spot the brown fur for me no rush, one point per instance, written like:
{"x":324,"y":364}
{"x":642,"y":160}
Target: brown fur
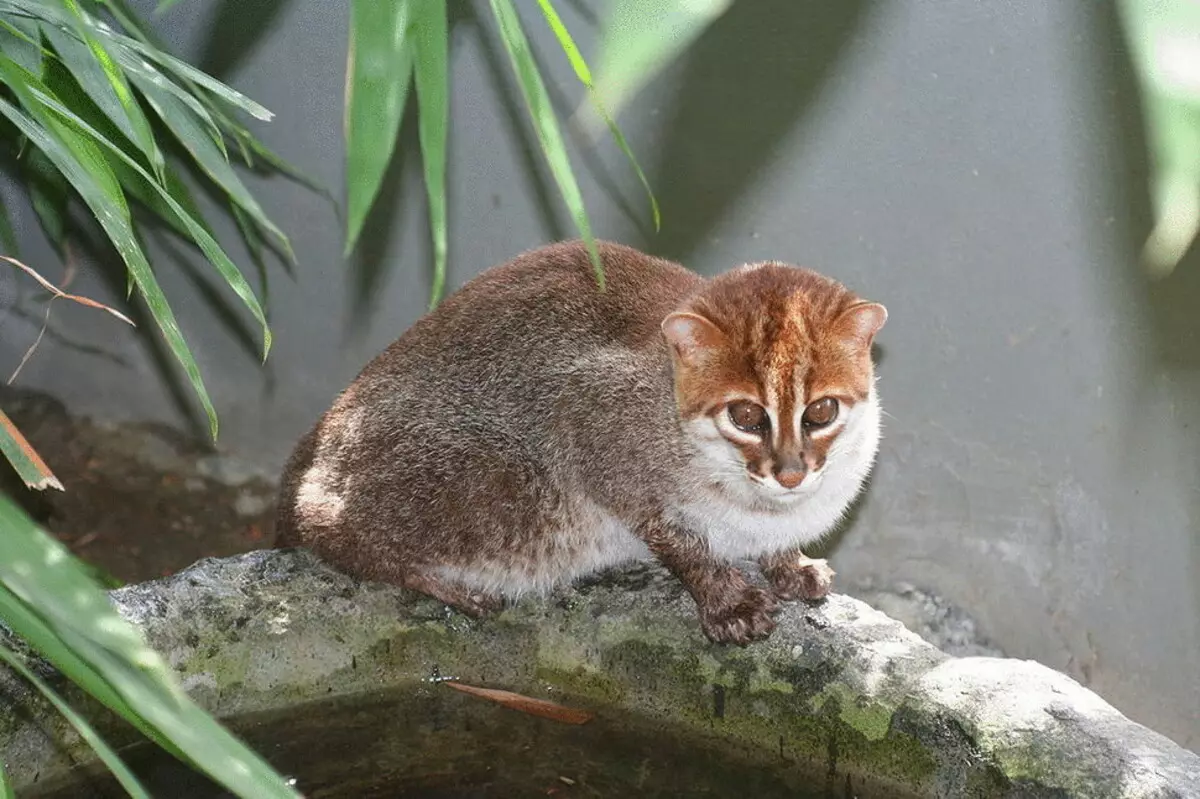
{"x":492,"y":435}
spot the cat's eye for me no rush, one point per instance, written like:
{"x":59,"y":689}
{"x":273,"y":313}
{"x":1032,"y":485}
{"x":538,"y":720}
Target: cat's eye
{"x":748,"y":417}
{"x":820,"y":413}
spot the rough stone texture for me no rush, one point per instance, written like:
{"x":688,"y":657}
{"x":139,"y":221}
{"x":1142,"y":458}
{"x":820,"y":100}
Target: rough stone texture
{"x":839,"y":686}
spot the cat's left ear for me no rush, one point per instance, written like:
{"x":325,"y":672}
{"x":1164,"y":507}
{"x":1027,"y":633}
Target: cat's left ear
{"x":861,"y":321}
{"x":691,"y":336}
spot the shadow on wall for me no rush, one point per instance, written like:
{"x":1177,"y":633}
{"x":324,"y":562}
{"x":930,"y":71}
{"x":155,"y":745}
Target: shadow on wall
{"x":746,"y":83}
{"x":1169,"y":308}
{"x":236,"y":30}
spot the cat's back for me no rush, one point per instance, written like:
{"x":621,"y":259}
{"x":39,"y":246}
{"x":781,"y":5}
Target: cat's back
{"x":542,"y":306}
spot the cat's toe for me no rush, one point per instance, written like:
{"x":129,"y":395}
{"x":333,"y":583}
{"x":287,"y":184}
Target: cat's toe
{"x":809,"y":579}
{"x":747,"y":621}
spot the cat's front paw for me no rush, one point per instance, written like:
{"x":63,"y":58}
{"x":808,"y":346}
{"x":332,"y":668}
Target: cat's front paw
{"x":801,"y":578}
{"x":741,"y":618}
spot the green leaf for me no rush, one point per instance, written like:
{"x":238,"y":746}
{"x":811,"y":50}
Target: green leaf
{"x":190,"y":132}
{"x":186,"y":71}
{"x":105,"y":84}
{"x":6,"y":789}
{"x":379,"y":68}
{"x":431,"y":41}
{"x":85,"y":168}
{"x":20,"y":39}
{"x":1162,"y":36}
{"x":30,"y":467}
{"x":544,"y":123}
{"x":142,"y":74}
{"x":48,"y":599}
{"x":103,"y":750}
{"x":198,"y":232}
{"x":639,"y":38}
{"x":585,"y":77}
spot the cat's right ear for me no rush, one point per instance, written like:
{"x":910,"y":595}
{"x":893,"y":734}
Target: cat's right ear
{"x":691,"y":336}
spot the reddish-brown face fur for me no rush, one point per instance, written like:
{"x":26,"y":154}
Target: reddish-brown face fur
{"x":783,"y":338}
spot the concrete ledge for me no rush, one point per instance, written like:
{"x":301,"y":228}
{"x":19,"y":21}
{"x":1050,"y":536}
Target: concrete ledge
{"x":839,"y":687}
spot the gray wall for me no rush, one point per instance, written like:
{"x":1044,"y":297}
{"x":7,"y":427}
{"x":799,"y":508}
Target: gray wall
{"x":976,"y":167}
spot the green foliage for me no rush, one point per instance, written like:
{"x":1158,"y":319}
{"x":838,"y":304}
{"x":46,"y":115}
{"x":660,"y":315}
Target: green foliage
{"x":393,"y":41}
{"x":95,"y":108}
{"x":1164,"y":39}
{"x":97,"y":112}
{"x":48,"y":598}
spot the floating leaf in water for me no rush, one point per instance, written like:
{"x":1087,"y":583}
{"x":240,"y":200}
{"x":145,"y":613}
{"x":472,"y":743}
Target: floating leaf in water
{"x":526,"y":704}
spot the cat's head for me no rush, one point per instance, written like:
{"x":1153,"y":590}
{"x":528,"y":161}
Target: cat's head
{"x":774,"y":382}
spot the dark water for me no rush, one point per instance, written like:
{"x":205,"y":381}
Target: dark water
{"x":440,"y":744}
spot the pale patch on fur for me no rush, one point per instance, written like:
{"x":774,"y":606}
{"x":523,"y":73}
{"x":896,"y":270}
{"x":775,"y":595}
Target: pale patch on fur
{"x":320,"y":498}
{"x":591,"y":543}
{"x":318,"y":503}
{"x":747,"y":518}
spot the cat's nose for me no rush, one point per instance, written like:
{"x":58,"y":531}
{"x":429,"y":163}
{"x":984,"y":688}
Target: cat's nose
{"x":790,"y":478}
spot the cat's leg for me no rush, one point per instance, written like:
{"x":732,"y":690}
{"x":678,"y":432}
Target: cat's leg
{"x":732,"y":610}
{"x":455,"y":594}
{"x":794,"y":575}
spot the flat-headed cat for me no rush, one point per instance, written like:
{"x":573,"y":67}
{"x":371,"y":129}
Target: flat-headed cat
{"x":533,"y":429}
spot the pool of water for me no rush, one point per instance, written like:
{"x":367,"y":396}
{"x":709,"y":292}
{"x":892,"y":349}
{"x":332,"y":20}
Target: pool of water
{"x":437,"y":743}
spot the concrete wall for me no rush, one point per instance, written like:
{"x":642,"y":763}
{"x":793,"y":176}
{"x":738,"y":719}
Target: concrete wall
{"x":976,"y":167}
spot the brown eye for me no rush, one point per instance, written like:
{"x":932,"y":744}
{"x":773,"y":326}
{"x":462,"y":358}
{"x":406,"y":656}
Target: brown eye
{"x":820,"y":413}
{"x":748,"y":417}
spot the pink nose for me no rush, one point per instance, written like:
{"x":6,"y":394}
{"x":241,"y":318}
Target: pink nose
{"x":790,"y":479}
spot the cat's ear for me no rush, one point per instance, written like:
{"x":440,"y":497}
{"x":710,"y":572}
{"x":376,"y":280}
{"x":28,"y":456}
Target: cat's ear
{"x":691,"y":336}
{"x":861,"y":321}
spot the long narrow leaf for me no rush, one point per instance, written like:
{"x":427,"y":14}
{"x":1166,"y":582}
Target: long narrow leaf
{"x":567,"y":42}
{"x":48,"y":643}
{"x":378,"y":72}
{"x":183,"y":69}
{"x":199,"y":234}
{"x":430,"y":37}
{"x":544,"y":123}
{"x":191,"y":134}
{"x":6,"y":789}
{"x":107,"y":87}
{"x":39,"y":572}
{"x":79,"y":161}
{"x":639,"y":38}
{"x":20,"y":38}
{"x":17,"y":450}
{"x":103,"y":750}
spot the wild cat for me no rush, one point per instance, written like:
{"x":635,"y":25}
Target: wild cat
{"x":534,"y":429}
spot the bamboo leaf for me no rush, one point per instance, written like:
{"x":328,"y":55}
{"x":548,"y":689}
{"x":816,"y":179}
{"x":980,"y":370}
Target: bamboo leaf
{"x":195,"y":230}
{"x":103,"y":750}
{"x":191,"y":134}
{"x":106,"y":86}
{"x":544,"y":123}
{"x":584,"y":74}
{"x":378,"y":70}
{"x":85,"y":168}
{"x":48,"y":599}
{"x":430,"y":37}
{"x":20,"y":39}
{"x":639,"y":39}
{"x":525,"y":704}
{"x":57,"y":292}
{"x":17,"y":450}
{"x":6,"y":789}
{"x":184,"y":70}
